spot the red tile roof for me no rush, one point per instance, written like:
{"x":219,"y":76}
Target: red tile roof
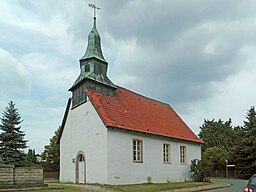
{"x":131,"y":111}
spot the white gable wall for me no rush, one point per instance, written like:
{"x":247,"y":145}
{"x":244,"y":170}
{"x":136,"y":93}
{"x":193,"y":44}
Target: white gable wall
{"x":108,"y":152}
{"x":122,"y":170}
{"x":84,"y":132}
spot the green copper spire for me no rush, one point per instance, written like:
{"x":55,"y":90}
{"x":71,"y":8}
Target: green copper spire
{"x":93,"y":70}
{"x":94,"y":45}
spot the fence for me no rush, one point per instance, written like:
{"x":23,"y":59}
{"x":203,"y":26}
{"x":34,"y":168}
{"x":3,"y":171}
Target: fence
{"x":51,"y":175}
{"x":20,"y":177}
{"x":230,"y":172}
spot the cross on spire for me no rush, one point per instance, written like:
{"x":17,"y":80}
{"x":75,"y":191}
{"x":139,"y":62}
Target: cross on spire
{"x":93,"y":5}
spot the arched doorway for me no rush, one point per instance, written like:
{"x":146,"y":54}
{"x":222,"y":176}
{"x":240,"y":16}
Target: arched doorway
{"x":80,"y":168}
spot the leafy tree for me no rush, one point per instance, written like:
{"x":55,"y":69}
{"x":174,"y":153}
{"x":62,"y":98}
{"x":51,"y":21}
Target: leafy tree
{"x":217,"y":134}
{"x":216,"y":157}
{"x":51,"y":153}
{"x":12,"y":140}
{"x":245,"y":149}
{"x":200,"y":170}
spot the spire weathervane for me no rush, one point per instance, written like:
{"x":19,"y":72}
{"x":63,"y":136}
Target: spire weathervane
{"x":94,"y":7}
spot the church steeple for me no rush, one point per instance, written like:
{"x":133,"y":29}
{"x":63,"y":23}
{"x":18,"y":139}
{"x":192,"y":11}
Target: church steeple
{"x":93,"y":69}
{"x":94,"y":44}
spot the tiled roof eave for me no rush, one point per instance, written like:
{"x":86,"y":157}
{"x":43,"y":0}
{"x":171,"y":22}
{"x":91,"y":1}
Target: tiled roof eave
{"x":155,"y":134}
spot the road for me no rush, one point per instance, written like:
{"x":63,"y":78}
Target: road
{"x":237,"y":185}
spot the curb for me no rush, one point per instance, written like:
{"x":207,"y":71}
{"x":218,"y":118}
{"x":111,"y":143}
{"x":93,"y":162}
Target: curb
{"x":215,"y":185}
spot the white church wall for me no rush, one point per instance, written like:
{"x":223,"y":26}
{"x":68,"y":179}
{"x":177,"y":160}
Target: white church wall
{"x":122,"y":169}
{"x":84,"y":132}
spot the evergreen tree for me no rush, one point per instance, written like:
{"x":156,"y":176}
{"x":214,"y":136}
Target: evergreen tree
{"x":12,"y":140}
{"x":31,"y":157}
{"x":51,"y":153}
{"x":217,"y":134}
{"x":245,"y":149}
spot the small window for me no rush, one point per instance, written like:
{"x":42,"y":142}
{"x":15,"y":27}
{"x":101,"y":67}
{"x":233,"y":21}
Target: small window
{"x":137,"y":151}
{"x":183,"y":155}
{"x":87,"y":68}
{"x":166,"y":153}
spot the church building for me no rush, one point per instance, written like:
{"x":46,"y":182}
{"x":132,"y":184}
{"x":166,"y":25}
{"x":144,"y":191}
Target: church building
{"x":112,"y":135}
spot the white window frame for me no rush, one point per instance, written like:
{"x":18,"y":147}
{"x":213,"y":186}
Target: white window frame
{"x":183,"y":154}
{"x":166,"y":153}
{"x":137,"y":150}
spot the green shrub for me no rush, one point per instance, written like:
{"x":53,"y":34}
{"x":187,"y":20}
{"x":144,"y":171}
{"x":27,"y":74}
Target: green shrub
{"x":200,"y":170}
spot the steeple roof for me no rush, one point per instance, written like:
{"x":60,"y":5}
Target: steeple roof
{"x":94,"y":46}
{"x":93,"y":73}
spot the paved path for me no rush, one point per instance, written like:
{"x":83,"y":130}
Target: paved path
{"x":237,"y":185}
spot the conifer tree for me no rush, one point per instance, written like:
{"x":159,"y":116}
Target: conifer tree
{"x":245,"y":149}
{"x":12,"y":140}
{"x":31,"y":157}
{"x":217,"y":134}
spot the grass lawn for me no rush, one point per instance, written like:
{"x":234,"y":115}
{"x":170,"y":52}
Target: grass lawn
{"x":63,"y":189}
{"x":60,"y":187}
{"x":154,"y":187}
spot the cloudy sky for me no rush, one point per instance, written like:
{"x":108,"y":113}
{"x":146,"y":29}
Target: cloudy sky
{"x":199,"y":56}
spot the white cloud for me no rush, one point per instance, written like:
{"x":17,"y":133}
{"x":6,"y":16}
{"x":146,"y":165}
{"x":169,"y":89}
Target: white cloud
{"x":51,"y":78}
{"x":15,"y":78}
{"x":40,"y":121}
{"x":48,"y":71}
{"x":215,"y":46}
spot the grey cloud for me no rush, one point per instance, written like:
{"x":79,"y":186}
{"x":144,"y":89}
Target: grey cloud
{"x":154,"y":21}
{"x":175,"y":36}
{"x":170,"y":50}
{"x":192,"y":45}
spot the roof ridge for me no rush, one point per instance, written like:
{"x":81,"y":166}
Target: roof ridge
{"x":146,"y":97}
